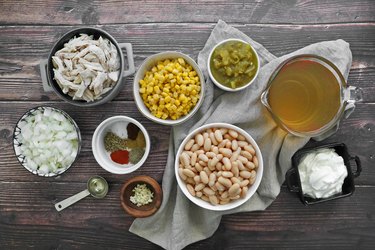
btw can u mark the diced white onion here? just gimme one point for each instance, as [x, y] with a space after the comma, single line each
[49, 141]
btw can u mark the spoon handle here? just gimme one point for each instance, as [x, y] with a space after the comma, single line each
[71, 200]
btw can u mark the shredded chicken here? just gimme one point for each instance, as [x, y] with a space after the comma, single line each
[85, 68]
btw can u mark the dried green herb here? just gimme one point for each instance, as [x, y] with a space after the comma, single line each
[112, 142]
[136, 154]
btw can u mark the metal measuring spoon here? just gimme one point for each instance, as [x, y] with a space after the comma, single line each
[96, 186]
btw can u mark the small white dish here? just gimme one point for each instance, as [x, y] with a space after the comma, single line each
[147, 65]
[218, 84]
[235, 203]
[117, 125]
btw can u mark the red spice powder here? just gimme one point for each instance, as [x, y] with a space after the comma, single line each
[120, 156]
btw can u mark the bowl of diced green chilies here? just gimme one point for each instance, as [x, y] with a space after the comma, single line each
[233, 64]
[120, 144]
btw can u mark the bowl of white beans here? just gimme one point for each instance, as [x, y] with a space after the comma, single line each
[218, 166]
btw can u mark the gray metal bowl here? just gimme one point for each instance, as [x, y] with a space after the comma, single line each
[46, 66]
[17, 144]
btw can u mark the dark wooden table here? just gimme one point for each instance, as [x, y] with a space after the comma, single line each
[28, 30]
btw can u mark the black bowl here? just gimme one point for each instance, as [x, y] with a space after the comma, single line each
[293, 180]
[47, 75]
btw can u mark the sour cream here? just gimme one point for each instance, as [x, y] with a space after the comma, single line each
[322, 173]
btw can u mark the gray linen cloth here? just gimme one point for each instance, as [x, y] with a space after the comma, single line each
[180, 222]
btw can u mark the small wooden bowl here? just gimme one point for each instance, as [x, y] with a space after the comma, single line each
[145, 210]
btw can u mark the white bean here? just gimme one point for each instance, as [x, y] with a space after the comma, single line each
[204, 177]
[184, 159]
[227, 163]
[199, 187]
[193, 159]
[256, 162]
[208, 191]
[240, 165]
[203, 157]
[245, 174]
[242, 144]
[197, 179]
[247, 154]
[199, 139]
[226, 152]
[234, 145]
[213, 199]
[219, 186]
[195, 147]
[225, 182]
[188, 172]
[241, 137]
[213, 139]
[250, 165]
[227, 174]
[190, 189]
[218, 135]
[189, 144]
[207, 144]
[234, 190]
[233, 133]
[198, 167]
[250, 149]
[181, 174]
[244, 192]
[244, 183]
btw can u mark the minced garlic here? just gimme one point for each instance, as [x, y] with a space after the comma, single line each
[142, 195]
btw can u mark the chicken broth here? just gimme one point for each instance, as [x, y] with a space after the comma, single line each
[304, 95]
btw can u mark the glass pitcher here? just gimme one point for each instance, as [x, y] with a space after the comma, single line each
[308, 96]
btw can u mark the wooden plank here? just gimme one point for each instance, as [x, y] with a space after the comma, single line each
[29, 219]
[108, 12]
[358, 132]
[27, 45]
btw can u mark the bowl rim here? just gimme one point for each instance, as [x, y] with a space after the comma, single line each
[17, 130]
[162, 56]
[95, 141]
[158, 195]
[56, 46]
[221, 86]
[233, 204]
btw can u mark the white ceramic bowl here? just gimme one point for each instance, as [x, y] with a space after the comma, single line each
[234, 203]
[218, 84]
[147, 65]
[117, 125]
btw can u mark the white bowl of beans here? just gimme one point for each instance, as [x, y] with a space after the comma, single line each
[168, 88]
[219, 166]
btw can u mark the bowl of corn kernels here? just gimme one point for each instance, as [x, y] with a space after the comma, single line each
[168, 88]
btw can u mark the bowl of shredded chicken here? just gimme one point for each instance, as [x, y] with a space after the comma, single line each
[86, 67]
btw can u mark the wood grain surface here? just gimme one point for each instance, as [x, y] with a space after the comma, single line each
[28, 31]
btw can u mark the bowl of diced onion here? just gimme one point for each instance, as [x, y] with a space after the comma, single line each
[168, 88]
[46, 141]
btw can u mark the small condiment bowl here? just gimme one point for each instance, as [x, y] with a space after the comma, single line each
[293, 180]
[235, 203]
[17, 144]
[145, 210]
[216, 82]
[146, 66]
[117, 125]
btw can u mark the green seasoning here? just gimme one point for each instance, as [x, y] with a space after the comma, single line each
[136, 154]
[112, 142]
[233, 64]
